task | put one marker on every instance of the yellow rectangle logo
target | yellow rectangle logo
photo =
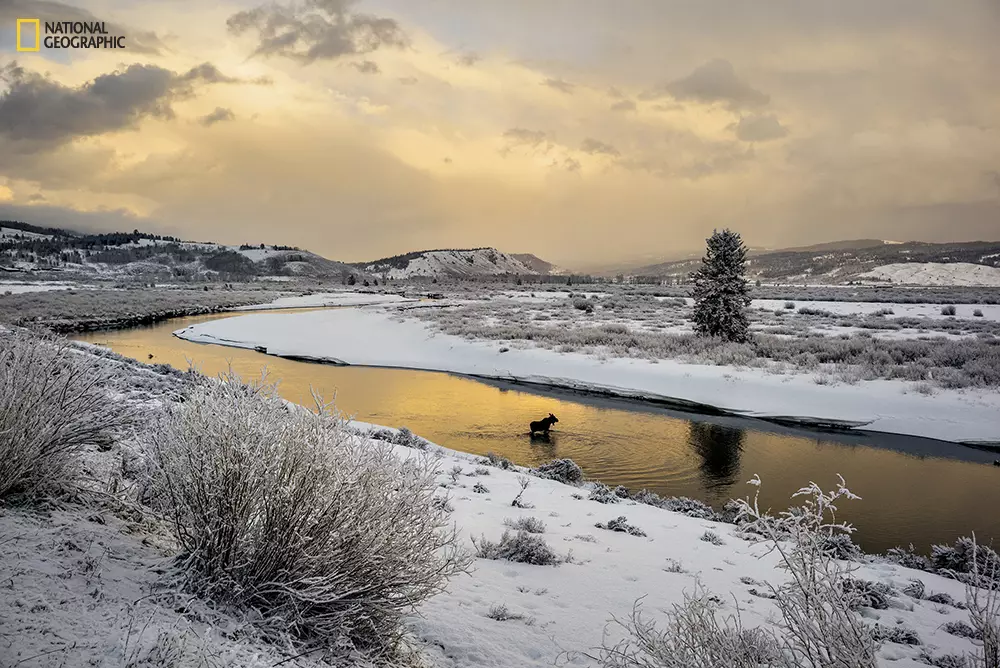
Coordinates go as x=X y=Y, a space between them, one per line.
x=27 y=23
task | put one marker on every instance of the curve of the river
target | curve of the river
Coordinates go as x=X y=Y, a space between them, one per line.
x=913 y=490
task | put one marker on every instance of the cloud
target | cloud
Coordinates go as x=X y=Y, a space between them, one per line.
x=469 y=58
x=366 y=67
x=594 y=146
x=623 y=105
x=220 y=114
x=524 y=137
x=136 y=41
x=560 y=85
x=717 y=81
x=408 y=81
x=38 y=109
x=316 y=30
x=759 y=128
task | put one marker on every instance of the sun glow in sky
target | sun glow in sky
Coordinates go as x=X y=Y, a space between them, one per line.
x=584 y=131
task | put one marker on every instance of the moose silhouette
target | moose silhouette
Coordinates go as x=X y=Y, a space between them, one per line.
x=543 y=425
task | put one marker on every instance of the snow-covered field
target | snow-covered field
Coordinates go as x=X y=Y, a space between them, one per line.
x=374 y=337
x=321 y=299
x=929 y=311
x=936 y=273
x=20 y=287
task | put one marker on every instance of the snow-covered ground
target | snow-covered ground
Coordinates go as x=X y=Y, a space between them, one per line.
x=479 y=261
x=374 y=337
x=19 y=287
x=936 y=273
x=11 y=233
x=321 y=299
x=931 y=311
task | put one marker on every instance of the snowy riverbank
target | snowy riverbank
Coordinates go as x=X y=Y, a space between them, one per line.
x=373 y=337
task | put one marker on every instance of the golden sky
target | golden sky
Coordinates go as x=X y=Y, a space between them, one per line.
x=584 y=131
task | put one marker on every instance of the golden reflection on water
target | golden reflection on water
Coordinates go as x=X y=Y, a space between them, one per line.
x=905 y=498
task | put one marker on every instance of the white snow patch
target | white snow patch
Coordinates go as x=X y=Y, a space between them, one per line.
x=936 y=273
x=20 y=287
x=321 y=299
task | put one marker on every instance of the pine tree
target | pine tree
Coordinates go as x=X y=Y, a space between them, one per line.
x=721 y=293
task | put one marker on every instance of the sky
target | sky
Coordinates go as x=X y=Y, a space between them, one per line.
x=586 y=132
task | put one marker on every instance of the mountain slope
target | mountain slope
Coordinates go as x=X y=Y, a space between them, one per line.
x=452 y=263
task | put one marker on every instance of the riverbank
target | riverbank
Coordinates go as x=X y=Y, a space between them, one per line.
x=105 y=557
x=376 y=337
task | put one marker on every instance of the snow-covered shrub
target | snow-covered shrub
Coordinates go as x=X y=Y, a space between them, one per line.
x=402 y=436
x=883 y=312
x=962 y=630
x=808 y=310
x=821 y=628
x=982 y=598
x=689 y=507
x=789 y=305
x=53 y=405
x=480 y=488
x=899 y=635
x=621 y=524
x=721 y=292
x=916 y=588
x=604 y=494
x=945 y=660
x=328 y=538
x=564 y=470
x=521 y=547
x=907 y=557
x=960 y=560
x=948 y=310
x=867 y=594
x=978 y=313
x=501 y=613
x=945 y=599
x=529 y=524
x=493 y=459
x=840 y=546
x=583 y=305
x=713 y=538
x=692 y=637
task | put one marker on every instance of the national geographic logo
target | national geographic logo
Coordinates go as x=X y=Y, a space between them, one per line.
x=65 y=35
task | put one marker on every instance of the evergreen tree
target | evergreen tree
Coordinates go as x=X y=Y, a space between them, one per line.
x=721 y=293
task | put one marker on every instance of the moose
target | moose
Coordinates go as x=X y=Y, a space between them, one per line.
x=543 y=425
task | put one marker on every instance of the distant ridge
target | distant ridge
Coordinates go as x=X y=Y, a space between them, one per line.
x=456 y=262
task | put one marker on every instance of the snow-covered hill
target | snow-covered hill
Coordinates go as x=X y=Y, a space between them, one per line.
x=455 y=263
x=936 y=273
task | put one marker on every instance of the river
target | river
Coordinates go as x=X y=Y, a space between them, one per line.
x=913 y=490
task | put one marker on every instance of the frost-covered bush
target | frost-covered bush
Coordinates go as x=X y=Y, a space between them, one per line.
x=604 y=494
x=978 y=313
x=493 y=459
x=789 y=305
x=840 y=546
x=962 y=630
x=693 y=636
x=713 y=538
x=480 y=488
x=965 y=556
x=402 y=436
x=907 y=557
x=868 y=594
x=521 y=547
x=899 y=635
x=328 y=538
x=529 y=524
x=621 y=525
x=916 y=588
x=948 y=310
x=564 y=470
x=54 y=404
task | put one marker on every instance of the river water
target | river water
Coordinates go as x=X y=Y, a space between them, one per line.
x=913 y=490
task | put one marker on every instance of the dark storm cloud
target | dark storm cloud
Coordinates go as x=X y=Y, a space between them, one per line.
x=559 y=85
x=759 y=128
x=367 y=67
x=594 y=146
x=315 y=30
x=220 y=114
x=715 y=81
x=136 y=41
x=37 y=109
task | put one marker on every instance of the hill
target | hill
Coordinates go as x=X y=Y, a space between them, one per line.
x=152 y=257
x=455 y=263
x=845 y=261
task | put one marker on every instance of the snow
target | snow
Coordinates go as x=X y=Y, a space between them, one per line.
x=257 y=254
x=16 y=287
x=11 y=232
x=568 y=607
x=322 y=299
x=936 y=273
x=481 y=261
x=930 y=311
x=372 y=337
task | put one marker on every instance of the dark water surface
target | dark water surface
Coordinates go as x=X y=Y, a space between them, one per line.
x=913 y=490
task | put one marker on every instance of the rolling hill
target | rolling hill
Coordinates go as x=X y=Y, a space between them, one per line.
x=456 y=263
